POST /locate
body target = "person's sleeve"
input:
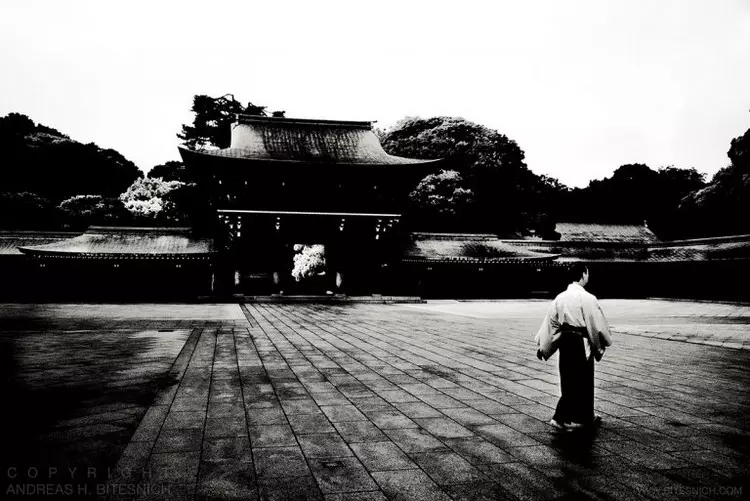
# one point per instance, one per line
(548, 333)
(598, 328)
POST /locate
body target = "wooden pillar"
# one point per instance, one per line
(233, 224)
(278, 259)
(339, 258)
(385, 239)
(236, 234)
(374, 264)
(339, 281)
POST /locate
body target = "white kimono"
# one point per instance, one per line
(577, 308)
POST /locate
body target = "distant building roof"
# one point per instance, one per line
(290, 140)
(589, 232)
(457, 247)
(703, 249)
(10, 241)
(572, 250)
(125, 243)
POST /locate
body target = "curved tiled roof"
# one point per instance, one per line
(309, 141)
(585, 251)
(10, 241)
(474, 248)
(705, 249)
(126, 243)
(589, 232)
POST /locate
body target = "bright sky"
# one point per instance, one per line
(583, 86)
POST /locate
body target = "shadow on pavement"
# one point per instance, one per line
(71, 403)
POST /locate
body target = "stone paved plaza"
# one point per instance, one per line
(437, 401)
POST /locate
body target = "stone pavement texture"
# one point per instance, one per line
(435, 401)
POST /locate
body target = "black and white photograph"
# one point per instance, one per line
(375, 251)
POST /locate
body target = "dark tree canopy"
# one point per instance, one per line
(26, 210)
(82, 211)
(633, 194)
(472, 147)
(721, 207)
(739, 152)
(41, 160)
(442, 200)
(170, 171)
(674, 185)
(16, 124)
(505, 192)
(620, 199)
(213, 118)
(507, 198)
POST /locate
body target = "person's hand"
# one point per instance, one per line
(598, 354)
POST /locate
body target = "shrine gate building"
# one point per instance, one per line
(284, 182)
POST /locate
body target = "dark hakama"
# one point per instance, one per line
(576, 405)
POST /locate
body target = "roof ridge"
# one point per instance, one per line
(454, 236)
(243, 118)
(638, 225)
(139, 229)
(692, 241)
(39, 233)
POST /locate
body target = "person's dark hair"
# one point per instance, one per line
(576, 271)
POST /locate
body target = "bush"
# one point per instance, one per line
(309, 260)
(81, 211)
(147, 200)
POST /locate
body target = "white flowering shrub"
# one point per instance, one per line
(150, 208)
(84, 205)
(308, 260)
(145, 188)
(145, 197)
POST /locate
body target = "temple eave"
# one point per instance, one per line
(470, 260)
(248, 157)
(44, 254)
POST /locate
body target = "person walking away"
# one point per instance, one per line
(575, 325)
